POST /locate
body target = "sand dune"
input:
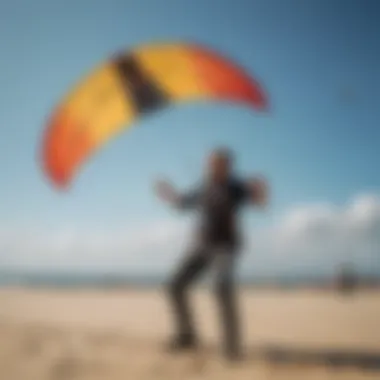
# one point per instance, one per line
(64, 335)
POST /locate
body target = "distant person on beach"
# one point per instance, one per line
(218, 199)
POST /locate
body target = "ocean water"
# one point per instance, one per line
(112, 280)
(78, 280)
(121, 280)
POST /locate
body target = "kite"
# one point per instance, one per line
(130, 85)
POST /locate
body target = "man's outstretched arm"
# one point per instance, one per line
(169, 194)
(256, 191)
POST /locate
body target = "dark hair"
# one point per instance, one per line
(225, 153)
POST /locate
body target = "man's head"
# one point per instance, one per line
(220, 163)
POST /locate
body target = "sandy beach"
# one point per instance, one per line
(117, 334)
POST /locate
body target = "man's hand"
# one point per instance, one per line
(258, 189)
(166, 192)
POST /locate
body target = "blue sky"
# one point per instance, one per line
(318, 61)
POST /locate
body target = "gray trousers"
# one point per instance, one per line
(194, 265)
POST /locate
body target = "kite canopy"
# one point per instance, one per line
(130, 85)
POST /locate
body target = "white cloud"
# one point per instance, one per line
(133, 248)
(311, 237)
(321, 236)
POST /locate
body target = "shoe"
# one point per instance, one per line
(182, 343)
(233, 355)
